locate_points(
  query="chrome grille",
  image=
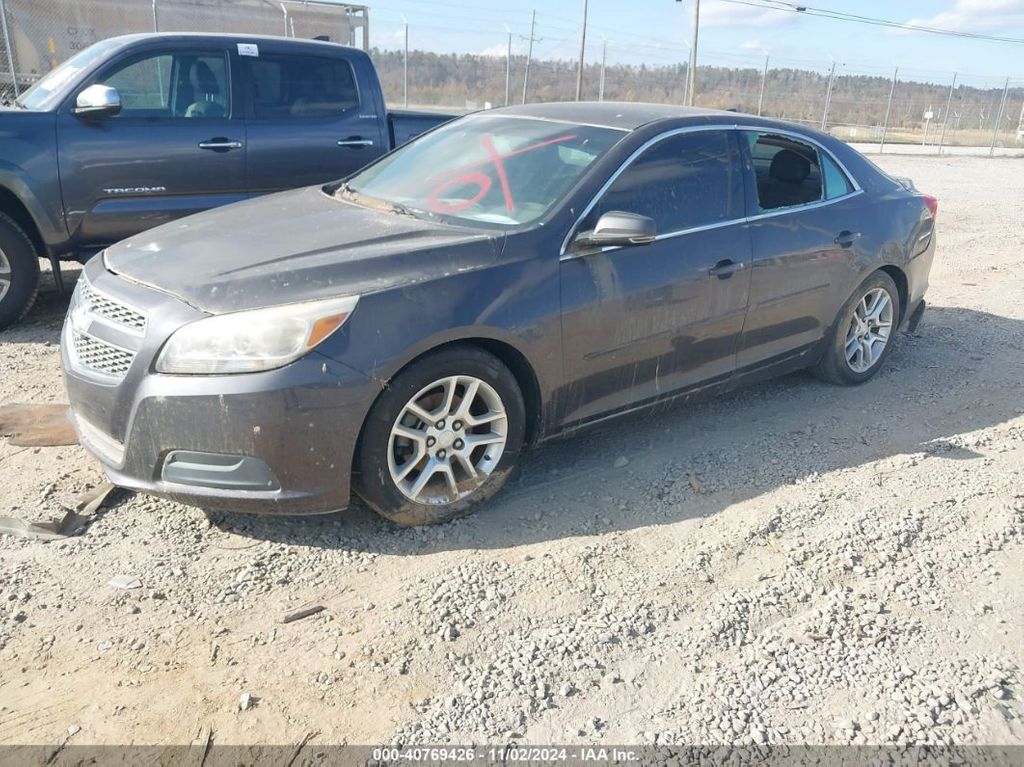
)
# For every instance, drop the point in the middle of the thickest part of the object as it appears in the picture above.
(101, 357)
(118, 313)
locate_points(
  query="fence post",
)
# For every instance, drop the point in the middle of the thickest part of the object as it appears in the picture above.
(828, 96)
(945, 119)
(529, 53)
(764, 77)
(7, 44)
(888, 109)
(156, 21)
(999, 116)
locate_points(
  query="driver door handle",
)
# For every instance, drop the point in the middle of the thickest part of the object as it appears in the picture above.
(355, 142)
(220, 144)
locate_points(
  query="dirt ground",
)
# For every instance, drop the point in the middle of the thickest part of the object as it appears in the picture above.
(793, 563)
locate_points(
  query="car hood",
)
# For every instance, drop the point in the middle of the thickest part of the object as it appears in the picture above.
(295, 246)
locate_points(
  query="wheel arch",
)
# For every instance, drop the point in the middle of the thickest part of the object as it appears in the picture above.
(902, 285)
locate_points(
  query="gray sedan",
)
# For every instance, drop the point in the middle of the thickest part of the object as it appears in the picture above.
(502, 280)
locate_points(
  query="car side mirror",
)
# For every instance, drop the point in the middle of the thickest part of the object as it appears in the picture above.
(98, 101)
(619, 228)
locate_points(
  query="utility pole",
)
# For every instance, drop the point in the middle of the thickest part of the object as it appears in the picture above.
(691, 80)
(999, 116)
(945, 120)
(405, 65)
(604, 61)
(764, 77)
(583, 50)
(529, 53)
(888, 109)
(828, 95)
(508, 68)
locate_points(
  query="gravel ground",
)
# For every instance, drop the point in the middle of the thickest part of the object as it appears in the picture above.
(793, 563)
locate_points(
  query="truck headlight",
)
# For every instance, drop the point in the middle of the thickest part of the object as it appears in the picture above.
(247, 342)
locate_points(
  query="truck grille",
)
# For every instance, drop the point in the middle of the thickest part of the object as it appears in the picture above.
(101, 357)
(118, 313)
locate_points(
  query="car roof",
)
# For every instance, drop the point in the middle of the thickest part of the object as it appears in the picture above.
(622, 115)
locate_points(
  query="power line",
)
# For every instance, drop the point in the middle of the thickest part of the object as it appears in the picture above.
(781, 5)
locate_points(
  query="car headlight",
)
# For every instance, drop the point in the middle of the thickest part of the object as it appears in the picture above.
(247, 342)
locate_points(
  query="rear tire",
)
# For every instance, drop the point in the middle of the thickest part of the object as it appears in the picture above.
(862, 335)
(19, 272)
(442, 438)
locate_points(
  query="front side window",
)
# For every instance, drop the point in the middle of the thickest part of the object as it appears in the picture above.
(787, 171)
(291, 87)
(681, 182)
(165, 85)
(486, 169)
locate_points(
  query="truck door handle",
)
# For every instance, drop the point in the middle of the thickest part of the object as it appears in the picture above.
(724, 269)
(846, 238)
(220, 144)
(355, 142)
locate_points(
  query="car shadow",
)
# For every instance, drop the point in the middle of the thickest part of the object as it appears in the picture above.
(960, 372)
(44, 320)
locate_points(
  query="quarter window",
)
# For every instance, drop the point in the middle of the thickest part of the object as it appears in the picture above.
(681, 182)
(787, 171)
(193, 85)
(836, 183)
(294, 87)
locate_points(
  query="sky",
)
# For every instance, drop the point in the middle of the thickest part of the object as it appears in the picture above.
(731, 34)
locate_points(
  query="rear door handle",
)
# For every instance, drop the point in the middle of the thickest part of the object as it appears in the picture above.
(355, 142)
(846, 238)
(220, 144)
(724, 269)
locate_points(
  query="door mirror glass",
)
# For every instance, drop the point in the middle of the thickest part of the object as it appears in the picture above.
(98, 101)
(617, 227)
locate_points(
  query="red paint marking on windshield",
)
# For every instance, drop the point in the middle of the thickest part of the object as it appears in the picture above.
(435, 203)
(499, 166)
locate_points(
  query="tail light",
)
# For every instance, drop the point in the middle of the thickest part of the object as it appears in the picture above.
(932, 203)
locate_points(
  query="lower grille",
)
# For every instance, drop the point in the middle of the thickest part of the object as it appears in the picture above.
(101, 357)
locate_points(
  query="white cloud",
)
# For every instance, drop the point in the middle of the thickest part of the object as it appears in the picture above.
(497, 51)
(976, 16)
(715, 13)
(752, 45)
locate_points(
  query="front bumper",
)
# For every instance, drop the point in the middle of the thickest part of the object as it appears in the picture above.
(280, 441)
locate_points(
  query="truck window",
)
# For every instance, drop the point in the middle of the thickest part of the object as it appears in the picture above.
(165, 85)
(295, 87)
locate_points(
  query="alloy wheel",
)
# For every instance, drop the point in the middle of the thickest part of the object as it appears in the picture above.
(870, 330)
(447, 440)
(5, 275)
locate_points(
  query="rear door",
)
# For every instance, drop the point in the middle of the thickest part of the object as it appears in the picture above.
(308, 123)
(176, 148)
(643, 321)
(804, 213)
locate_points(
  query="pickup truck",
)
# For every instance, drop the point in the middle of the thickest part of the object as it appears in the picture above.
(136, 131)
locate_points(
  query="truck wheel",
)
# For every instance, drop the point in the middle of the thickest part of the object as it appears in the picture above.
(19, 272)
(442, 438)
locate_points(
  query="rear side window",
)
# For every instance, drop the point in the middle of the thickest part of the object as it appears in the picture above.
(836, 183)
(295, 87)
(787, 171)
(682, 182)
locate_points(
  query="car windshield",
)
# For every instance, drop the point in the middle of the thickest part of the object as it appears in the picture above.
(487, 169)
(48, 90)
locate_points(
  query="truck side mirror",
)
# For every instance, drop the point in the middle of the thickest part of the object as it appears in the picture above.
(98, 101)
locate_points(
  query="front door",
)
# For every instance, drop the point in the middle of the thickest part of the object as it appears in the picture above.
(644, 321)
(307, 122)
(176, 147)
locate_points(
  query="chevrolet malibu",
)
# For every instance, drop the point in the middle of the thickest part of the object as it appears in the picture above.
(506, 278)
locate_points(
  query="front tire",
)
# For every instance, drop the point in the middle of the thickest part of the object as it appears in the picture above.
(19, 272)
(863, 333)
(442, 438)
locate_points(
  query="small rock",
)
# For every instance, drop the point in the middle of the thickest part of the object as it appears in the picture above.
(125, 582)
(246, 701)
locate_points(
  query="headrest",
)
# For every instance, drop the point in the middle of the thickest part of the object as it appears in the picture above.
(790, 167)
(202, 79)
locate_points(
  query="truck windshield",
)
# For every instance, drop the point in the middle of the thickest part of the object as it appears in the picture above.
(488, 169)
(48, 90)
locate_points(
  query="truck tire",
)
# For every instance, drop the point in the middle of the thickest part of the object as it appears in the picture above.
(19, 272)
